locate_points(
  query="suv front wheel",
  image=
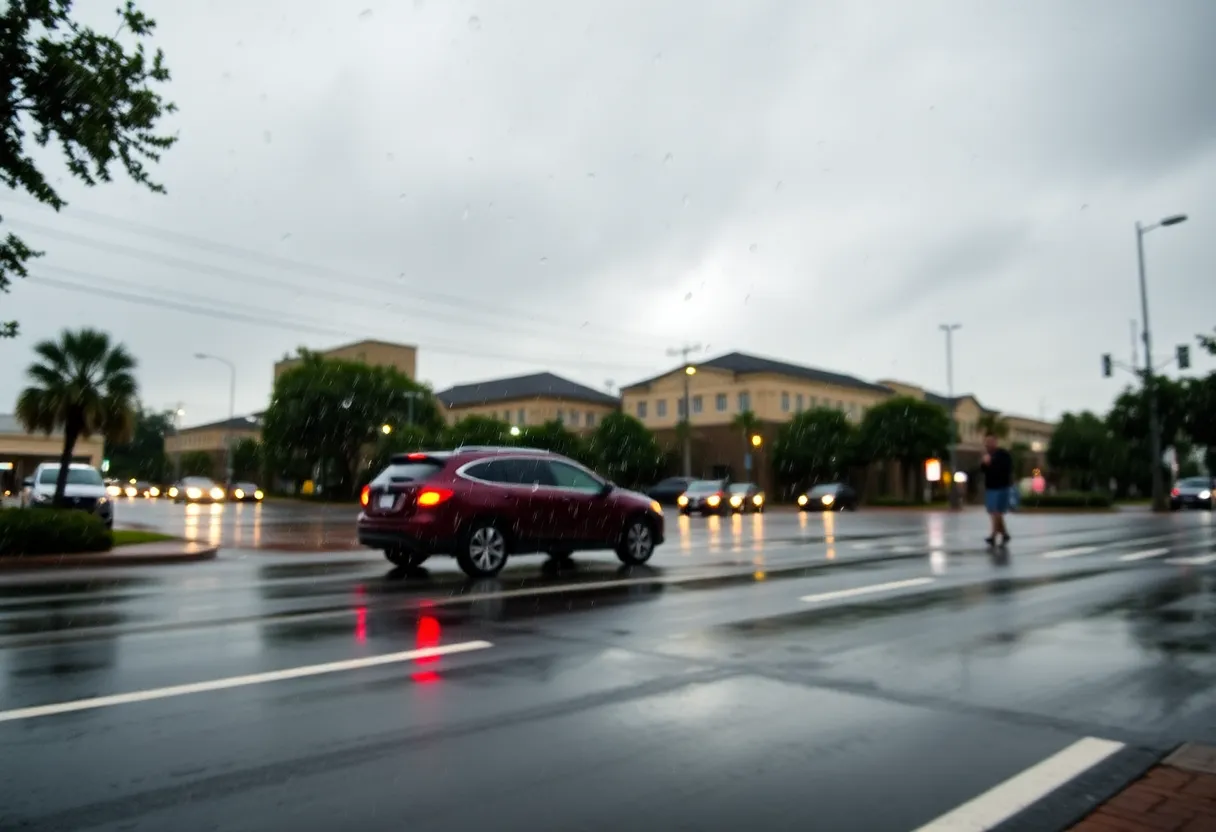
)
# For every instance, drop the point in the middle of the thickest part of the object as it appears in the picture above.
(483, 549)
(637, 542)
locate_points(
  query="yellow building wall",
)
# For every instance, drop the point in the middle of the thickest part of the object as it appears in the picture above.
(577, 416)
(210, 439)
(14, 445)
(403, 357)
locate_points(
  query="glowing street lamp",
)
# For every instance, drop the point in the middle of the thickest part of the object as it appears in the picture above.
(386, 429)
(515, 431)
(757, 440)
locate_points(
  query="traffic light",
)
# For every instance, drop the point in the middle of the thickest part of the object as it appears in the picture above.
(1184, 357)
(1107, 366)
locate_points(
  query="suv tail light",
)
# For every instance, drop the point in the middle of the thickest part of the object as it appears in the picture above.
(430, 497)
(365, 496)
(1176, 492)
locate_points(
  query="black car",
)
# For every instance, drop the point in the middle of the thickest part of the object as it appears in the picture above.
(245, 492)
(744, 497)
(668, 491)
(1193, 492)
(832, 496)
(704, 497)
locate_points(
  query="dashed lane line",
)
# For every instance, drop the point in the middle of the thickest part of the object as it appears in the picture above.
(1145, 555)
(241, 681)
(1070, 553)
(890, 586)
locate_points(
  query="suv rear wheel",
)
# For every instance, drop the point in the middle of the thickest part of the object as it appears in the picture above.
(483, 549)
(637, 542)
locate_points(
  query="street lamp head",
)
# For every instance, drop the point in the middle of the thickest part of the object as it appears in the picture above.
(690, 370)
(386, 429)
(515, 431)
(757, 439)
(1174, 220)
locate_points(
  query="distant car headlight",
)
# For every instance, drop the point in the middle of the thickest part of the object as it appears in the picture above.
(1205, 495)
(173, 492)
(131, 491)
(758, 499)
(113, 490)
(101, 501)
(154, 491)
(802, 499)
(713, 500)
(217, 493)
(828, 499)
(681, 500)
(194, 493)
(257, 495)
(736, 501)
(239, 494)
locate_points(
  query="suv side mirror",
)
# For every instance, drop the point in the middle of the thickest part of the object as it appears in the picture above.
(606, 488)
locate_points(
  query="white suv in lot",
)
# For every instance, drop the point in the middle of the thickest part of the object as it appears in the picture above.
(85, 490)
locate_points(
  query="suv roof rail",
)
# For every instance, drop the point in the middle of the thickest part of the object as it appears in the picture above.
(502, 448)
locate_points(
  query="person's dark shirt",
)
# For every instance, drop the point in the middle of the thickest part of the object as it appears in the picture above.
(998, 473)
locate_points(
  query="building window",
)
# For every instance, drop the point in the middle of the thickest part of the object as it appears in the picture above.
(521, 418)
(785, 402)
(696, 404)
(852, 410)
(839, 404)
(641, 410)
(814, 402)
(798, 403)
(590, 419)
(745, 401)
(560, 419)
(574, 418)
(720, 402)
(660, 408)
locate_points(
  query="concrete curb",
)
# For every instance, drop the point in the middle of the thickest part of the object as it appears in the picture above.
(139, 554)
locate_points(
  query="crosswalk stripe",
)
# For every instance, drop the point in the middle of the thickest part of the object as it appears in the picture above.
(1145, 555)
(1197, 560)
(1070, 553)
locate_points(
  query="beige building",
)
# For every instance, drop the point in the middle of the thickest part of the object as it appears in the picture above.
(402, 357)
(213, 439)
(21, 452)
(529, 400)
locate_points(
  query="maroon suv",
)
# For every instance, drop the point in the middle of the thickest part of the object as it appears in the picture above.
(483, 504)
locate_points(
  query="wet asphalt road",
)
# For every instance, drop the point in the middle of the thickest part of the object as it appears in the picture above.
(869, 671)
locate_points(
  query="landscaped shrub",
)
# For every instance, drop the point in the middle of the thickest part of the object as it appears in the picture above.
(1067, 499)
(51, 531)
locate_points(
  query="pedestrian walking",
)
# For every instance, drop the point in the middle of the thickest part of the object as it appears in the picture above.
(997, 466)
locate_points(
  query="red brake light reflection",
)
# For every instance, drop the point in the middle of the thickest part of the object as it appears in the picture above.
(427, 636)
(365, 495)
(428, 497)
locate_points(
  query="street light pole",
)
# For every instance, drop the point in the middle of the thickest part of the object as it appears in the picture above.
(949, 330)
(689, 372)
(231, 410)
(1150, 383)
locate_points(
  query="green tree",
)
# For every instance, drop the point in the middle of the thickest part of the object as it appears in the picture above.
(993, 423)
(86, 91)
(906, 430)
(1200, 422)
(247, 462)
(1128, 416)
(1086, 450)
(1208, 342)
(84, 385)
(197, 464)
(556, 437)
(326, 413)
(402, 440)
(478, 430)
(817, 445)
(143, 457)
(622, 449)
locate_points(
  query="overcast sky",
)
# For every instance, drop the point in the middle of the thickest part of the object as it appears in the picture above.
(578, 186)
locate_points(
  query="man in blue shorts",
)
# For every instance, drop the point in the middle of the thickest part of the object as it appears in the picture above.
(998, 488)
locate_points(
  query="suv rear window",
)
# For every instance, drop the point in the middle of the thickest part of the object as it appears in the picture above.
(407, 472)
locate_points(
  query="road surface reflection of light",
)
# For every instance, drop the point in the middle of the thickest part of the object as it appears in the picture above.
(759, 576)
(428, 635)
(361, 624)
(684, 523)
(216, 529)
(715, 532)
(937, 562)
(191, 527)
(937, 531)
(257, 526)
(758, 530)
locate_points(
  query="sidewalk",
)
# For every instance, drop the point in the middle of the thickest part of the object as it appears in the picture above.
(1179, 795)
(139, 554)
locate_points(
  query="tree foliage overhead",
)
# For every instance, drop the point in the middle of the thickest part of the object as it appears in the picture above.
(477, 430)
(143, 457)
(89, 92)
(327, 411)
(83, 385)
(817, 445)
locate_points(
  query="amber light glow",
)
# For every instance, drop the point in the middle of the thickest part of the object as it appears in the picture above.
(365, 495)
(433, 496)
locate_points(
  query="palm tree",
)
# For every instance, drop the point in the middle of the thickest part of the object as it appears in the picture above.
(993, 423)
(83, 384)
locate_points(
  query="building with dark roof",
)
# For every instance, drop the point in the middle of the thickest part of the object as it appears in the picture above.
(529, 400)
(213, 439)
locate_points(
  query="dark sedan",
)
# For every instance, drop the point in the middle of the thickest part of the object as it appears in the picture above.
(704, 497)
(833, 496)
(668, 491)
(1193, 492)
(245, 492)
(744, 497)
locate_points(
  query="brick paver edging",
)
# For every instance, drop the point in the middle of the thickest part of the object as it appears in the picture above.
(1179, 795)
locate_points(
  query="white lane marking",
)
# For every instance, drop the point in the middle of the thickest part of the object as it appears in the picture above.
(865, 590)
(1006, 799)
(1145, 555)
(241, 681)
(1071, 553)
(1197, 560)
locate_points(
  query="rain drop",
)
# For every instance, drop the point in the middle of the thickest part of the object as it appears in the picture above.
(285, 237)
(389, 157)
(780, 185)
(688, 296)
(267, 137)
(347, 402)
(401, 195)
(544, 261)
(667, 159)
(366, 14)
(753, 248)
(686, 201)
(465, 214)
(474, 24)
(591, 175)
